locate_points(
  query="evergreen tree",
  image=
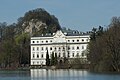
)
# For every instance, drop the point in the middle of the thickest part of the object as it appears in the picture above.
(52, 59)
(47, 59)
(56, 59)
(93, 35)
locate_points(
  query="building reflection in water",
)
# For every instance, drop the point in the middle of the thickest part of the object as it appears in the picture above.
(60, 74)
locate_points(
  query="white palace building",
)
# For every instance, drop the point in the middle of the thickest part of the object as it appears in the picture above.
(64, 44)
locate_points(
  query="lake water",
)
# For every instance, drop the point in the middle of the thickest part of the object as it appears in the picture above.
(60, 74)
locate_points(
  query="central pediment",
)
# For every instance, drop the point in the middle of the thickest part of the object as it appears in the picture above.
(59, 37)
(59, 34)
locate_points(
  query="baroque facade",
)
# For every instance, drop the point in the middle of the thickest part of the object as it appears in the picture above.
(69, 45)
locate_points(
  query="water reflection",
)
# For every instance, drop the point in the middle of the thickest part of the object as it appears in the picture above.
(61, 74)
(64, 74)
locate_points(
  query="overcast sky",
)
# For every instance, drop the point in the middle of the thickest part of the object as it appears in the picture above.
(80, 15)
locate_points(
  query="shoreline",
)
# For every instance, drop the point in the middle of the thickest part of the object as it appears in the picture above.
(28, 69)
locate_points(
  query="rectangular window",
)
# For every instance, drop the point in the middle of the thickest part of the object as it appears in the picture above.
(63, 48)
(46, 48)
(51, 48)
(72, 48)
(55, 48)
(41, 55)
(37, 62)
(73, 54)
(59, 55)
(41, 48)
(77, 47)
(37, 55)
(33, 49)
(59, 48)
(77, 55)
(68, 48)
(37, 48)
(82, 47)
(68, 54)
(33, 55)
(82, 54)
(33, 62)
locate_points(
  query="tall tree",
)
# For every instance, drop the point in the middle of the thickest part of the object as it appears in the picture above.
(56, 60)
(104, 52)
(52, 59)
(47, 59)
